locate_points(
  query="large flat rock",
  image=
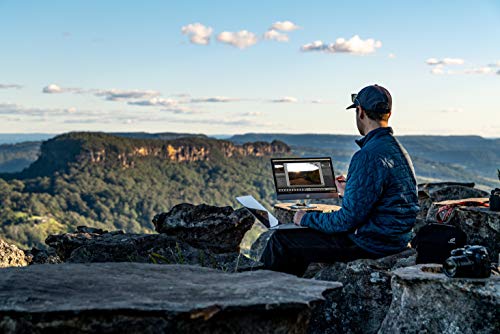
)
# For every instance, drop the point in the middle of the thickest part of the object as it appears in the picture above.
(138, 297)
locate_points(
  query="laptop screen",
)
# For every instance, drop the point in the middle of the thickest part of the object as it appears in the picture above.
(301, 178)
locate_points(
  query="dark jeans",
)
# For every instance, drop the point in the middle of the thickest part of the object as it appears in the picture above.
(291, 251)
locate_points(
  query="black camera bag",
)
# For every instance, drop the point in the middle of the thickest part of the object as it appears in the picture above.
(434, 242)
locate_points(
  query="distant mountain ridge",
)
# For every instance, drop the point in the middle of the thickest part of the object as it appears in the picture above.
(58, 153)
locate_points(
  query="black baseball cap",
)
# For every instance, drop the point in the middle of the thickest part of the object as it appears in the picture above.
(373, 97)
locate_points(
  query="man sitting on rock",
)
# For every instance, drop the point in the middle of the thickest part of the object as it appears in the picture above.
(379, 206)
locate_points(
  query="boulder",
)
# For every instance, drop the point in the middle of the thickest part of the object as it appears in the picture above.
(482, 227)
(365, 297)
(145, 298)
(85, 246)
(426, 301)
(218, 229)
(434, 208)
(42, 256)
(11, 256)
(441, 191)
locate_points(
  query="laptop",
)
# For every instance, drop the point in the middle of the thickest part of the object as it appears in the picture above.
(262, 215)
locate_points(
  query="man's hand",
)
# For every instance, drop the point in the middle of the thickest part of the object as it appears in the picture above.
(340, 182)
(298, 217)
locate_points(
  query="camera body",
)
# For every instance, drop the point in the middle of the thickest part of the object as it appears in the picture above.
(470, 261)
(495, 200)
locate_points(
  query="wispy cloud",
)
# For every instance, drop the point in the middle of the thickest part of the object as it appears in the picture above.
(480, 70)
(119, 95)
(56, 89)
(182, 110)
(156, 101)
(285, 99)
(441, 66)
(10, 86)
(354, 45)
(198, 33)
(241, 39)
(20, 110)
(445, 61)
(284, 26)
(215, 99)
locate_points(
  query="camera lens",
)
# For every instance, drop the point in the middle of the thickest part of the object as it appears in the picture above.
(450, 268)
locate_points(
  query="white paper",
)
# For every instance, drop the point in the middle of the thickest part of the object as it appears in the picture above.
(251, 203)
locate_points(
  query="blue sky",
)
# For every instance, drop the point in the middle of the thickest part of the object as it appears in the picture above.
(128, 66)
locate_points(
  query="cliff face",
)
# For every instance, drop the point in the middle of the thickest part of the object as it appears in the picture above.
(181, 151)
(97, 148)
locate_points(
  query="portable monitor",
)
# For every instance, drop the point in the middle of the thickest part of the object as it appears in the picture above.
(304, 179)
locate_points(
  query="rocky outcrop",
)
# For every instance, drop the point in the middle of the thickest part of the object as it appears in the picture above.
(83, 148)
(429, 193)
(134, 297)
(481, 226)
(42, 256)
(365, 297)
(426, 301)
(218, 229)
(88, 245)
(11, 256)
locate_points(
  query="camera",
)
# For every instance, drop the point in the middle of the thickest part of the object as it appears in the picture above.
(495, 200)
(470, 261)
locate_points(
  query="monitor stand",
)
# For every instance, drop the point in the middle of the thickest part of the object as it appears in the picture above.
(303, 205)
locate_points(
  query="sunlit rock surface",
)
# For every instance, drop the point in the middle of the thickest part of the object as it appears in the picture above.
(11, 256)
(145, 298)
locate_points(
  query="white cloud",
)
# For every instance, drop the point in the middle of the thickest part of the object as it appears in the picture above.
(198, 33)
(276, 35)
(445, 61)
(285, 99)
(182, 110)
(56, 89)
(215, 99)
(241, 39)
(52, 89)
(439, 69)
(284, 26)
(480, 70)
(9, 86)
(118, 94)
(355, 45)
(155, 101)
(391, 55)
(20, 110)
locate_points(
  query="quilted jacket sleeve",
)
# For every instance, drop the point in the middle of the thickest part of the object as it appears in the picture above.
(365, 182)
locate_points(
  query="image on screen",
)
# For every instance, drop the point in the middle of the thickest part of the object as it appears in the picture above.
(301, 174)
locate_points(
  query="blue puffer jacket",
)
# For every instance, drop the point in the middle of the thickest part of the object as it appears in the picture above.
(380, 202)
